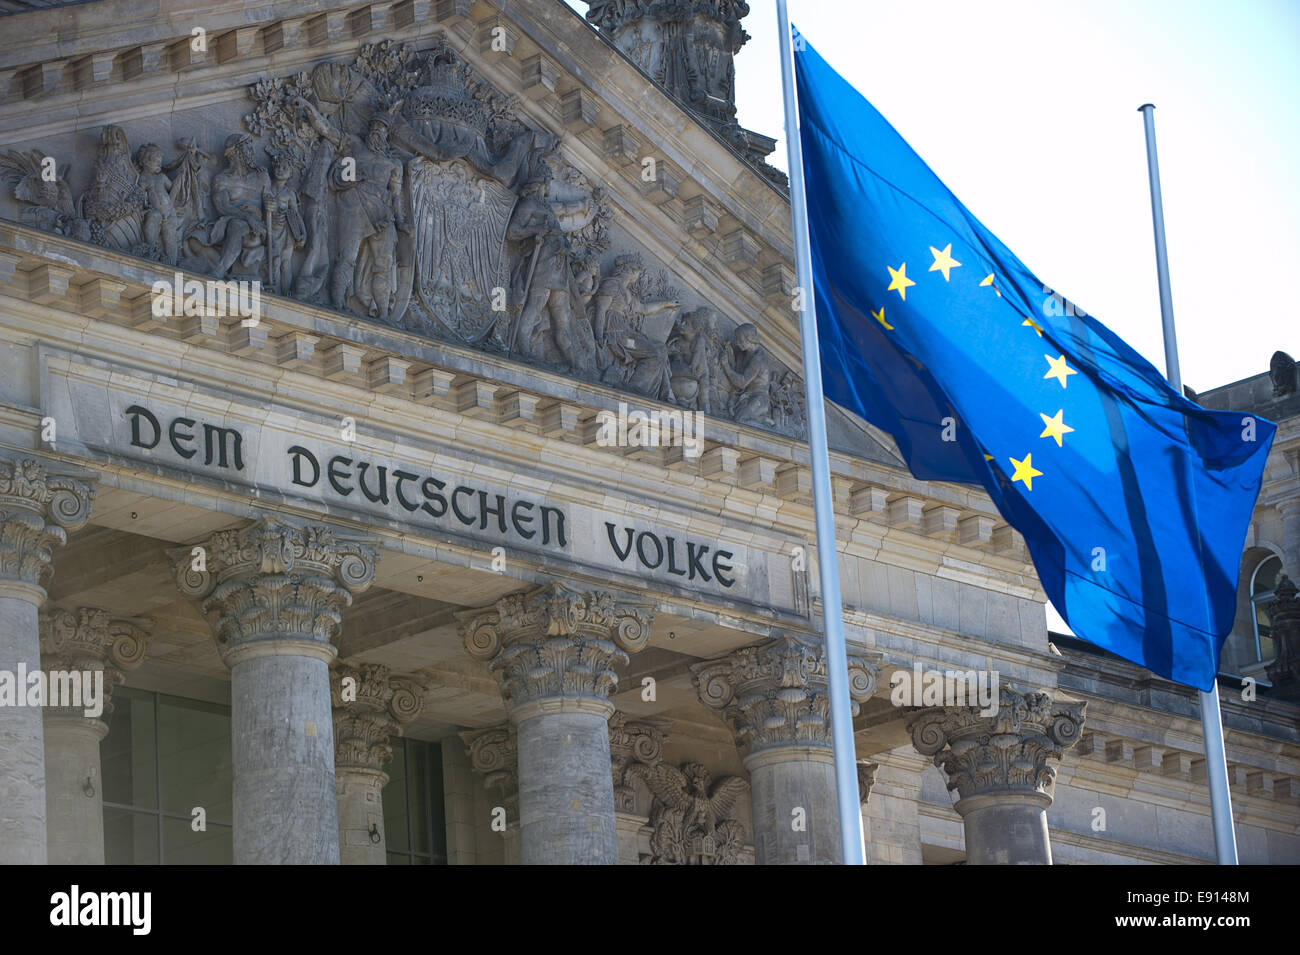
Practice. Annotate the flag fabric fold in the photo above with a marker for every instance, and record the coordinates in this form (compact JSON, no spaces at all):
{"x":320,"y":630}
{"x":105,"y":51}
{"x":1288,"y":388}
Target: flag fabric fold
{"x":1133,"y":500}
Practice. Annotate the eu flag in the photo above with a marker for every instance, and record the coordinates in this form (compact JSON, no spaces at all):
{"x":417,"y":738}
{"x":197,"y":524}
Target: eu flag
{"x":1133,"y":500}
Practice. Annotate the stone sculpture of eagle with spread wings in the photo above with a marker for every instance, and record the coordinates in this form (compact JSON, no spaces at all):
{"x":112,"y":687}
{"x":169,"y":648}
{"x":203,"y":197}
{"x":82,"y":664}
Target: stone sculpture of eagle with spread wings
{"x":690,"y":817}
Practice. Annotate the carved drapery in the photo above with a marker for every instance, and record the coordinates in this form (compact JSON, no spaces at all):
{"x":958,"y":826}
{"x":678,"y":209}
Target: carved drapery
{"x":555,"y":643}
{"x":91,"y":639}
{"x":37,"y":510}
{"x":273,"y":580}
{"x":1012,"y":751}
{"x":370,"y":705}
{"x":776,"y":694}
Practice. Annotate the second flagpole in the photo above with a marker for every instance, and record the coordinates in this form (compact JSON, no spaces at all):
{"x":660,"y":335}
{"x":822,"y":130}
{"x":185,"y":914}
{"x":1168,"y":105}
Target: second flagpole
{"x":1216,"y":761}
{"x":837,"y":667}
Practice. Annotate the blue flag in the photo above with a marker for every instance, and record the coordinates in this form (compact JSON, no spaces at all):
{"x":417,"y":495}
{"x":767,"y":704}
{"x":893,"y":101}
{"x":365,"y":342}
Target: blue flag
{"x":1133,"y":500}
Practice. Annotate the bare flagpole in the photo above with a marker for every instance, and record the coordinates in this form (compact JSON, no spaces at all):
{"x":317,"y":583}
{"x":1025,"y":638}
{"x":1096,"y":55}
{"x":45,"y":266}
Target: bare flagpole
{"x":837,"y":667}
{"x":1216,"y":760}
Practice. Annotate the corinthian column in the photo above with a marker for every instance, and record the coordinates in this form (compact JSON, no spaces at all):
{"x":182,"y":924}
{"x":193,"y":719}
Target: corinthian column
{"x":37,"y":509}
{"x":275,"y":593}
{"x":370,"y":704}
{"x":93,"y":646}
{"x":776,"y":698}
{"x":1000,"y":767}
{"x":554,"y":651}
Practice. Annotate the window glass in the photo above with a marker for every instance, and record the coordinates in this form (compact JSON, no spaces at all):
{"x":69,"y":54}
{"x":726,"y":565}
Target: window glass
{"x":130,"y":838}
{"x":127,"y":753}
{"x":194,"y":757}
{"x":184,"y":846}
{"x":397,"y":832}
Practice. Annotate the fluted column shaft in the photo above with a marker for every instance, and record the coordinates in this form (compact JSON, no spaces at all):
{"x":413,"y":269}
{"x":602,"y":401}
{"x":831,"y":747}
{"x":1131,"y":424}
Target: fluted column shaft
{"x":276,"y":592}
{"x":37,"y":509}
{"x":1001,"y":766}
{"x":776,"y":698}
{"x":553,"y":651}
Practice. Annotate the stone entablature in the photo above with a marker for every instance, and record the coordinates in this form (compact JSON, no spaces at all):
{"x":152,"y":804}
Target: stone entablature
{"x":304,"y":340}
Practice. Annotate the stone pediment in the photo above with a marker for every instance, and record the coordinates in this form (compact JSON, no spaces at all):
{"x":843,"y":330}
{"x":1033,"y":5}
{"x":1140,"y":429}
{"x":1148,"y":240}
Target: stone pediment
{"x":393,"y":182}
{"x":397,"y":186}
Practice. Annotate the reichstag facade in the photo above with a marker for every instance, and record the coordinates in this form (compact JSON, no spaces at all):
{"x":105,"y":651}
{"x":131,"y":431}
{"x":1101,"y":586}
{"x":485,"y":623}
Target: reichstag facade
{"x":402,"y":453}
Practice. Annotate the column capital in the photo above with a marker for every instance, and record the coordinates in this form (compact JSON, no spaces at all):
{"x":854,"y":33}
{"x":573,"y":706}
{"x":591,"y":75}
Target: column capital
{"x":38,"y":507}
{"x":556,"y":644}
{"x":92,"y":639}
{"x":273,"y":584}
{"x":494,"y":755}
{"x":633,"y":741}
{"x":776,"y":695}
{"x":1007,"y":753}
{"x":370,"y":704}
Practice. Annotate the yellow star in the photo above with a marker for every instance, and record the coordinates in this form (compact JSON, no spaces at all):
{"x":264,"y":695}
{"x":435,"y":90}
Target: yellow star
{"x":880,"y":317}
{"x":1054,"y":427}
{"x":943,"y":261}
{"x":899,"y":280}
{"x":1059,"y":369}
{"x":1025,"y":471}
{"x":988,"y":280}
{"x":1034,"y":325}
{"x":988,"y":457}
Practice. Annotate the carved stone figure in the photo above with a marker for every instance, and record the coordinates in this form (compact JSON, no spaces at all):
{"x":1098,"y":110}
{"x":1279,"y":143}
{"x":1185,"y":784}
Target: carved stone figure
{"x":368,"y":183}
{"x":749,"y":369}
{"x":1281,"y":370}
{"x":161,"y":226}
{"x":629,"y":358}
{"x":545,"y":282}
{"x":238,"y":237}
{"x":285,"y":228}
{"x":689,"y":816}
{"x":689,"y":366}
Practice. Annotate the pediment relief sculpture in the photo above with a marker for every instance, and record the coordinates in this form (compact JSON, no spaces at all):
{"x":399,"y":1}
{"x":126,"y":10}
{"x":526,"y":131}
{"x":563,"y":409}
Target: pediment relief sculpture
{"x":402,"y":189}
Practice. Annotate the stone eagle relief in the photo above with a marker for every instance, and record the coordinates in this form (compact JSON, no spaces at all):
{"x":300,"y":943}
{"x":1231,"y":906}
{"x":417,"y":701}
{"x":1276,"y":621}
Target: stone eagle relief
{"x":404,"y":190}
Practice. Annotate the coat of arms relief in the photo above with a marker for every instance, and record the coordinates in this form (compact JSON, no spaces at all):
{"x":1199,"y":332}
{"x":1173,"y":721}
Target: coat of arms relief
{"x":403,"y":189}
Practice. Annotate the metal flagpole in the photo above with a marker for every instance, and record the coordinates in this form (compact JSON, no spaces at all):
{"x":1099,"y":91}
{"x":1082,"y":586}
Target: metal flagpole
{"x":837,"y":666}
{"x":1216,"y":760}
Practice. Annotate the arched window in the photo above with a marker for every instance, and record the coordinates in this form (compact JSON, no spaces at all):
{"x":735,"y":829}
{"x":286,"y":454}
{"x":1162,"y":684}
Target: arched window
{"x":1262,"y":582}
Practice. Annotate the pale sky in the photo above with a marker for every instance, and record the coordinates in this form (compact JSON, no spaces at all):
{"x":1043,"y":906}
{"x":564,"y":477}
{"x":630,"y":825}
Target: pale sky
{"x":1027,"y":110}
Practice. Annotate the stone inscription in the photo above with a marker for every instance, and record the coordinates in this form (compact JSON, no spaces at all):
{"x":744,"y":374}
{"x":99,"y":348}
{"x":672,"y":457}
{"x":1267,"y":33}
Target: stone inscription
{"x":429,"y":497}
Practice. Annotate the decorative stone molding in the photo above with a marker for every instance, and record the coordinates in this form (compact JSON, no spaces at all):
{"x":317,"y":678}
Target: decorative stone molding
{"x":91,"y":639}
{"x":370,"y":704}
{"x":37,"y":509}
{"x":690,"y":815}
{"x":776,"y":694}
{"x":554,"y":643}
{"x":633,"y":742}
{"x":866,"y":779}
{"x":272,"y":581}
{"x":1008,"y":752}
{"x":494,"y":755}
